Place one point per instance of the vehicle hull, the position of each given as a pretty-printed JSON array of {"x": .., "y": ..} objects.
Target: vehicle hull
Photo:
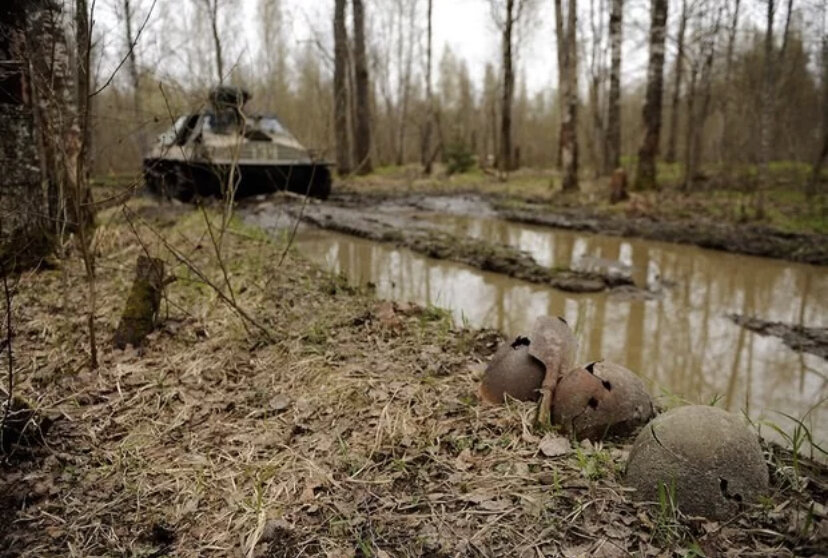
[{"x": 187, "y": 181}]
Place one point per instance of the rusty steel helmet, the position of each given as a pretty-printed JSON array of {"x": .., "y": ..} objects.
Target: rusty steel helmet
[
  {"x": 601, "y": 399},
  {"x": 710, "y": 458},
  {"x": 513, "y": 371},
  {"x": 554, "y": 344}
]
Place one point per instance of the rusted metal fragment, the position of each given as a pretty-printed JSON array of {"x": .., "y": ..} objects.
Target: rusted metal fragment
[
  {"x": 512, "y": 371},
  {"x": 602, "y": 399},
  {"x": 554, "y": 344}
]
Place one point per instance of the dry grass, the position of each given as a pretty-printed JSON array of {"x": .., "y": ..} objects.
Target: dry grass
[{"x": 356, "y": 433}]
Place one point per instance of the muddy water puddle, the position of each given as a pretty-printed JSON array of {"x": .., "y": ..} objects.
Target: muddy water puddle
[{"x": 680, "y": 341}]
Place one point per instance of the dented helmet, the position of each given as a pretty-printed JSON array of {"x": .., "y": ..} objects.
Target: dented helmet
[
  {"x": 600, "y": 400},
  {"x": 707, "y": 458},
  {"x": 513, "y": 371},
  {"x": 553, "y": 343}
]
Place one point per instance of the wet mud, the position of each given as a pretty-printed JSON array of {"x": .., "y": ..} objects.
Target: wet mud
[
  {"x": 435, "y": 241},
  {"x": 813, "y": 340},
  {"x": 753, "y": 240},
  {"x": 742, "y": 239}
]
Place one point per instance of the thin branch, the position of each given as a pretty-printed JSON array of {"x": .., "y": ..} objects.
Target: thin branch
[
  {"x": 129, "y": 51},
  {"x": 129, "y": 214}
]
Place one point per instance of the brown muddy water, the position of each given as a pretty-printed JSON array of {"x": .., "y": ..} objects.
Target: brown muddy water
[{"x": 680, "y": 341}]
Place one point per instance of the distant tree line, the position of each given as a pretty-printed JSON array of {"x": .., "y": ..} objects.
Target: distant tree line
[{"x": 728, "y": 83}]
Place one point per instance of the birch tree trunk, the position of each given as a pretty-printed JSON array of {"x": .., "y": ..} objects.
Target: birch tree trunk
[
  {"x": 26, "y": 235},
  {"x": 613, "y": 150},
  {"x": 341, "y": 102},
  {"x": 362, "y": 116},
  {"x": 645, "y": 178},
  {"x": 670, "y": 157}
]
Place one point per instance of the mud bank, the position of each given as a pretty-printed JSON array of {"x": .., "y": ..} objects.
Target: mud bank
[
  {"x": 435, "y": 242},
  {"x": 812, "y": 340},
  {"x": 743, "y": 239},
  {"x": 753, "y": 240}
]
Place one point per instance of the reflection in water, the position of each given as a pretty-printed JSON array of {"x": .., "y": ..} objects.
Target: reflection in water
[{"x": 682, "y": 343}]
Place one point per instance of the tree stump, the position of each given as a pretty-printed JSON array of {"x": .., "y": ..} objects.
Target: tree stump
[
  {"x": 618, "y": 186},
  {"x": 141, "y": 311}
]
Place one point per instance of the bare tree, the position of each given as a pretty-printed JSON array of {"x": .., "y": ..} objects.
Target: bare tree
[
  {"x": 698, "y": 112},
  {"x": 343, "y": 150},
  {"x": 698, "y": 117},
  {"x": 211, "y": 8},
  {"x": 560, "y": 44},
  {"x": 612, "y": 154},
  {"x": 506, "y": 15},
  {"x": 766, "y": 112},
  {"x": 816, "y": 176},
  {"x": 597, "y": 76},
  {"x": 728, "y": 79},
  {"x": 426, "y": 153},
  {"x": 569, "y": 96},
  {"x": 670, "y": 156},
  {"x": 77, "y": 152},
  {"x": 508, "y": 91},
  {"x": 126, "y": 13},
  {"x": 362, "y": 94},
  {"x": 273, "y": 53},
  {"x": 405, "y": 59},
  {"x": 645, "y": 178}
]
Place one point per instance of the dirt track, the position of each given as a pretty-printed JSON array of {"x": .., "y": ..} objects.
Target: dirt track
[
  {"x": 753, "y": 240},
  {"x": 435, "y": 242}
]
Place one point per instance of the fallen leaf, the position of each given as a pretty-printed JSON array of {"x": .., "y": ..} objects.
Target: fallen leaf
[{"x": 554, "y": 446}]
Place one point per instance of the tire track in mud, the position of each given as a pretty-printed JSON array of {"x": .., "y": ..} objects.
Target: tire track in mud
[{"x": 435, "y": 242}]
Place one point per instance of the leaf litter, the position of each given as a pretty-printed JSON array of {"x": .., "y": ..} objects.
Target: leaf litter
[{"x": 356, "y": 433}]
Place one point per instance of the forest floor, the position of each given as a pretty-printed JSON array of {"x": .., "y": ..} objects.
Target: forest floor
[
  {"x": 718, "y": 214},
  {"x": 326, "y": 423}
]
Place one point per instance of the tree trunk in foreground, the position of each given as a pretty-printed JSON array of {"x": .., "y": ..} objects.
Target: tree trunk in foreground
[
  {"x": 645, "y": 178},
  {"x": 25, "y": 232}
]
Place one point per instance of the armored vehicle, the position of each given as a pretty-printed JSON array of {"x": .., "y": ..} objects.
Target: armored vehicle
[{"x": 220, "y": 148}]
